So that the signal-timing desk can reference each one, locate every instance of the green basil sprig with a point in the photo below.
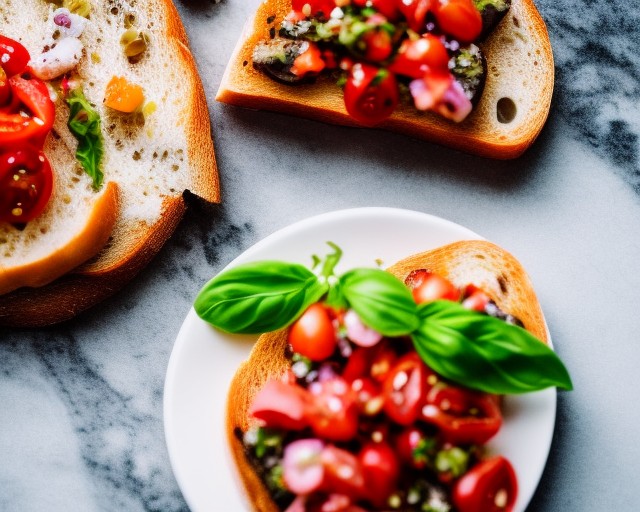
(259, 297)
(483, 352)
(84, 124)
(467, 347)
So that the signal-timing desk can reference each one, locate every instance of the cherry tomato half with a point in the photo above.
(342, 472)
(416, 57)
(313, 334)
(463, 416)
(381, 470)
(26, 182)
(13, 56)
(490, 486)
(459, 19)
(427, 287)
(370, 94)
(405, 389)
(32, 125)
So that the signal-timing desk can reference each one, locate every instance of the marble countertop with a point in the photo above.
(81, 403)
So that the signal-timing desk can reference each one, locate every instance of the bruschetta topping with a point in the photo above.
(422, 47)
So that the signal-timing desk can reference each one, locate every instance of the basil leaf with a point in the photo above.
(381, 300)
(258, 297)
(84, 124)
(485, 353)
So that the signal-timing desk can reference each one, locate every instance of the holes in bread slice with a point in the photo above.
(506, 110)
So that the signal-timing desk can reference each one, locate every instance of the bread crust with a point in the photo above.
(477, 262)
(479, 134)
(105, 269)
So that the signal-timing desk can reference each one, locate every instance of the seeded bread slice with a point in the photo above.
(519, 85)
(150, 160)
(477, 262)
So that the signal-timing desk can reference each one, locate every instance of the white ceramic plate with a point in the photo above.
(204, 360)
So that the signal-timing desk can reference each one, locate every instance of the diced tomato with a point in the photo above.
(377, 45)
(417, 57)
(381, 470)
(427, 287)
(490, 486)
(33, 117)
(405, 389)
(308, 62)
(415, 12)
(281, 405)
(13, 56)
(368, 395)
(462, 415)
(334, 415)
(343, 472)
(476, 299)
(123, 95)
(411, 445)
(313, 8)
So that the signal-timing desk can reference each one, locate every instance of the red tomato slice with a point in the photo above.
(381, 470)
(415, 58)
(26, 182)
(15, 128)
(281, 405)
(490, 486)
(459, 19)
(334, 415)
(13, 56)
(342, 472)
(313, 334)
(315, 7)
(415, 12)
(463, 416)
(405, 389)
(370, 94)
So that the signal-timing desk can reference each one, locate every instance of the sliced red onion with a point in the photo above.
(62, 18)
(454, 104)
(359, 333)
(303, 470)
(298, 505)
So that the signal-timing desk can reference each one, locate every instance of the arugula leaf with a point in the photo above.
(485, 353)
(84, 124)
(381, 301)
(259, 297)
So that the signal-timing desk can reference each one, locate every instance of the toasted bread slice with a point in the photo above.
(149, 162)
(477, 262)
(520, 69)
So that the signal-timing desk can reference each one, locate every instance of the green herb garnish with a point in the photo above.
(84, 124)
(467, 347)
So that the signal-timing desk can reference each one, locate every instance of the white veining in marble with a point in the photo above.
(81, 403)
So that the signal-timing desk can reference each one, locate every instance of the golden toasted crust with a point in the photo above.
(519, 46)
(477, 262)
(85, 244)
(114, 265)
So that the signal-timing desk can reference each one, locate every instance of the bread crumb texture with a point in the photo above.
(146, 154)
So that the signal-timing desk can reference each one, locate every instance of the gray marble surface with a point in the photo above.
(81, 403)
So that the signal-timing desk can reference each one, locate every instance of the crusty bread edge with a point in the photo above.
(70, 294)
(258, 93)
(267, 358)
(84, 245)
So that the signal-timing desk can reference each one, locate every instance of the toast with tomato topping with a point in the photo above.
(474, 262)
(90, 240)
(506, 120)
